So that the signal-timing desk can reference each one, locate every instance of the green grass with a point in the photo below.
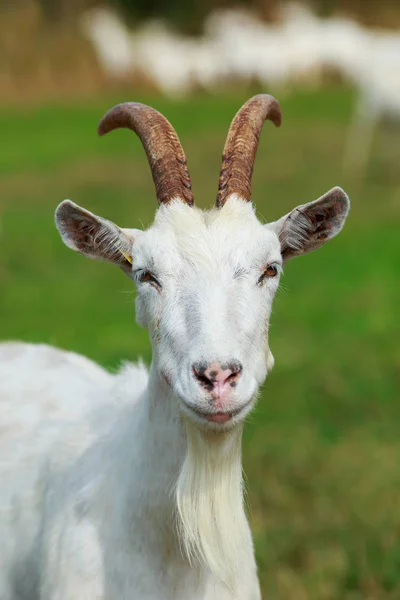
(322, 449)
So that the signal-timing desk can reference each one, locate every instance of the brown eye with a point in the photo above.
(271, 271)
(147, 277)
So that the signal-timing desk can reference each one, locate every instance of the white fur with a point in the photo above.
(115, 486)
(213, 526)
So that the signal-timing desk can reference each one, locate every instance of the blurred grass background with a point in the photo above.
(322, 450)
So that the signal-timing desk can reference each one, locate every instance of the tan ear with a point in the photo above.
(309, 226)
(94, 236)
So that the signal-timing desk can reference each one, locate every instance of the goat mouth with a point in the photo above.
(221, 417)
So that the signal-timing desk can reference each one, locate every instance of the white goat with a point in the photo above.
(129, 486)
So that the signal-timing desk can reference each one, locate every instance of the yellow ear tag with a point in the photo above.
(128, 258)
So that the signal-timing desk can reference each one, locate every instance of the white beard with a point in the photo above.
(212, 525)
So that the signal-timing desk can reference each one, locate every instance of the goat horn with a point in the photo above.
(161, 143)
(241, 146)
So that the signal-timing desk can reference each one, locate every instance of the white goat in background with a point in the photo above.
(129, 486)
(236, 44)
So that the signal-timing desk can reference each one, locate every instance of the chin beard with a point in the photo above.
(212, 524)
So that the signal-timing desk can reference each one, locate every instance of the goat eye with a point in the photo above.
(270, 271)
(147, 277)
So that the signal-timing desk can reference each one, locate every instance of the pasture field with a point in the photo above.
(322, 449)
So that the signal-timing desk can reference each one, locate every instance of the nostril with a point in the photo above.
(199, 373)
(232, 377)
(235, 369)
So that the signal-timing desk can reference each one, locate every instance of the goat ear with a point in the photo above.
(309, 226)
(94, 236)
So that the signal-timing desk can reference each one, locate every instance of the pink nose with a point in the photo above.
(217, 377)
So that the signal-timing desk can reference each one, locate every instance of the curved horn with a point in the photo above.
(161, 143)
(241, 146)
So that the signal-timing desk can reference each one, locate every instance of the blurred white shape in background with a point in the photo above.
(111, 40)
(378, 85)
(241, 41)
(238, 46)
(162, 57)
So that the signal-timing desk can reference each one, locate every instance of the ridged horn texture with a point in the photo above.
(161, 143)
(241, 146)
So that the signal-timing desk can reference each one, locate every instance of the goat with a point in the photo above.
(129, 486)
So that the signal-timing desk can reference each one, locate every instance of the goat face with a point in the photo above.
(206, 280)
